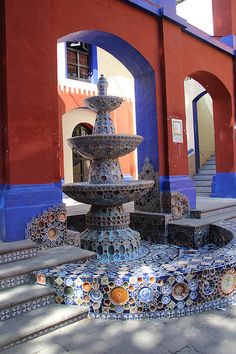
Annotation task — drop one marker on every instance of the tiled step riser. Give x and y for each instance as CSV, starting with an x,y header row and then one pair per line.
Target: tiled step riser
x,y
21,308
10,257
211,162
201,215
16,280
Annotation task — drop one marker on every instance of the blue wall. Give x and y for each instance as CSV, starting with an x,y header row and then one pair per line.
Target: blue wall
x,y
19,203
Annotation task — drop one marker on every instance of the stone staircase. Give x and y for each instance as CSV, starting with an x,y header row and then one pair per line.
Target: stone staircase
x,y
27,310
197,229
203,179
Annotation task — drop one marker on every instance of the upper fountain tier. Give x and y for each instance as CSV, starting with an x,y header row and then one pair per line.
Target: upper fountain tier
x,y
104,146
103,102
104,143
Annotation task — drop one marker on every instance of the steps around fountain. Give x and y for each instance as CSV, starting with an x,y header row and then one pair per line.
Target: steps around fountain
x,y
157,227
19,272
196,232
37,323
207,207
18,250
31,308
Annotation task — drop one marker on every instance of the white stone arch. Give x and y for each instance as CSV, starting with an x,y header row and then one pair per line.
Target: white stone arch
x,y
69,121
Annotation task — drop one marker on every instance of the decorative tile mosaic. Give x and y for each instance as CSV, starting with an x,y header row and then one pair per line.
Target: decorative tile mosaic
x,y
169,281
50,228
153,227
189,236
176,204
19,309
151,201
17,255
14,281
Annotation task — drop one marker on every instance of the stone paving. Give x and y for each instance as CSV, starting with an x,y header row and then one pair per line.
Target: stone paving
x,y
211,332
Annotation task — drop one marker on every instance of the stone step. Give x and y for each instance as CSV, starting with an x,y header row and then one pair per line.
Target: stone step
x,y
211,162
195,232
221,213
37,323
203,194
203,183
207,172
208,167
18,250
212,158
203,189
19,272
203,177
16,301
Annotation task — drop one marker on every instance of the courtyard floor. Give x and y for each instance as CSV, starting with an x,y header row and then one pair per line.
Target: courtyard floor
x,y
211,332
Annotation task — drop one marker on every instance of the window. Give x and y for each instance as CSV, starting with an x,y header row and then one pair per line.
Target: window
x,y
78,61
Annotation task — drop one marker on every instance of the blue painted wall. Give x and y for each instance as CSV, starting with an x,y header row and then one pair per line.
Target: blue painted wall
x,y
224,185
19,203
181,184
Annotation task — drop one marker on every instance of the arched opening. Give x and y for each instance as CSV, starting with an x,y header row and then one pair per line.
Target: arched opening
x,y
200,125
73,123
144,82
209,120
80,164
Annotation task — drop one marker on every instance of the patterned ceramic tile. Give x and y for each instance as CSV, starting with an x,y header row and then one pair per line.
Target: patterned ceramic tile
x,y
168,281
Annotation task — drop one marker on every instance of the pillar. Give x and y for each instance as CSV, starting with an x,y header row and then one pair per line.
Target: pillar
x,y
174,175
30,180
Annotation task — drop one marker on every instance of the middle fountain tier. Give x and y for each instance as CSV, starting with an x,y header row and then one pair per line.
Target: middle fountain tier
x,y
108,232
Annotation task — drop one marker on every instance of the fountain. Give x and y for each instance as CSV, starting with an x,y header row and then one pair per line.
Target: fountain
x,y
131,279
108,232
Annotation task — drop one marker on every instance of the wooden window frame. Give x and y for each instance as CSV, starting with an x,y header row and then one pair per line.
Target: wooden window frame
x,y
77,64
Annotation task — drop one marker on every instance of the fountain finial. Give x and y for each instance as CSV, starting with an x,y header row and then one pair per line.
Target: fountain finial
x,y
102,85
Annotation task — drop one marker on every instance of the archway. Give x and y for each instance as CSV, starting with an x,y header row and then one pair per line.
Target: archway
x,y
204,132
70,121
144,77
223,129
199,125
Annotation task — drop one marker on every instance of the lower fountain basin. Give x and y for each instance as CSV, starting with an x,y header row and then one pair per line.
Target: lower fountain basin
x,y
104,146
107,194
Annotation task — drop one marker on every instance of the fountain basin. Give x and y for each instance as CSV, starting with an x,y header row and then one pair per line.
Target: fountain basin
x,y
107,194
103,103
104,146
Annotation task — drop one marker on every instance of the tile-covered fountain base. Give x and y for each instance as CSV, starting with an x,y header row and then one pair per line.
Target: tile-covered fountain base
x,y
169,281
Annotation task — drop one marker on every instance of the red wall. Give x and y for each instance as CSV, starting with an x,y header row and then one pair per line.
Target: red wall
x,y
32,30
224,17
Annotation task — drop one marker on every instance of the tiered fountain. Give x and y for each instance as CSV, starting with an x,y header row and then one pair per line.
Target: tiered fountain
x,y
108,232
130,280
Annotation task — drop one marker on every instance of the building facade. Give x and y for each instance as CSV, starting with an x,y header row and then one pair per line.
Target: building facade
x,y
160,50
